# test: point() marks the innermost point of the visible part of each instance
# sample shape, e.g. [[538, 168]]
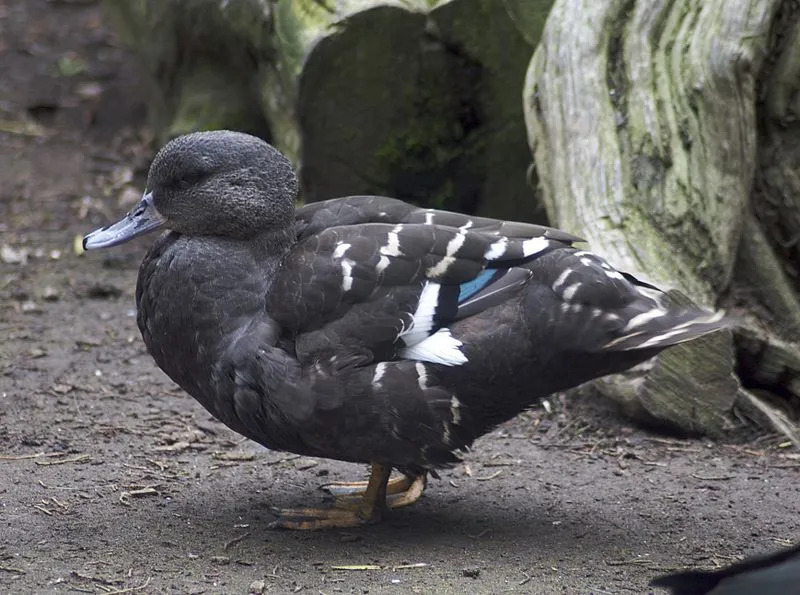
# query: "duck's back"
[[459, 322]]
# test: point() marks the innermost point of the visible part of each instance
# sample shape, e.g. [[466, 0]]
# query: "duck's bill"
[[143, 218]]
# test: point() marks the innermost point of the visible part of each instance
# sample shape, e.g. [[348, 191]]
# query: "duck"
[[364, 328], [777, 573]]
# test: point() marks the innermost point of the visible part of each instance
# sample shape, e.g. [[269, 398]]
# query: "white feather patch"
[[562, 278], [455, 410], [440, 268], [341, 248], [534, 246], [380, 370], [422, 375], [497, 249], [382, 264], [422, 319], [392, 247], [570, 291], [643, 318], [440, 348], [661, 339], [347, 274]]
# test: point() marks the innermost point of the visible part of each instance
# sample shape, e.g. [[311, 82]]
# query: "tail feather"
[[661, 328]]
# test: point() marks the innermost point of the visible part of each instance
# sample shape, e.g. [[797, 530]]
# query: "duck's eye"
[[185, 179]]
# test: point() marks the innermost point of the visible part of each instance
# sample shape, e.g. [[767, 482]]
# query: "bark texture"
[[417, 99], [644, 117]]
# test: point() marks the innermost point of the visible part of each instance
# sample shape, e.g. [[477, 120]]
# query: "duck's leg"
[[400, 491], [369, 509]]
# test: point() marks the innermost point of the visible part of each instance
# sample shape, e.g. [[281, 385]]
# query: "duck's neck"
[[272, 244]]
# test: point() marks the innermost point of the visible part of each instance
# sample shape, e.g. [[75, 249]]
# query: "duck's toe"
[[400, 491], [313, 519], [350, 510], [395, 485]]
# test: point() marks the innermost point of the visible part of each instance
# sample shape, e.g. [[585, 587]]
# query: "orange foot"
[[356, 503]]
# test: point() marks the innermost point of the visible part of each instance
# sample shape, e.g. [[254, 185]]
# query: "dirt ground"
[[114, 481]]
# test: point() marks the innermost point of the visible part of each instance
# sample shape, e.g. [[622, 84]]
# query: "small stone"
[[258, 587], [471, 572], [30, 307], [103, 291], [220, 560], [89, 90], [245, 455], [304, 463], [12, 255], [50, 294]]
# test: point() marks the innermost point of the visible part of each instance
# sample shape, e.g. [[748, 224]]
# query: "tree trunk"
[[204, 59], [417, 99], [644, 119]]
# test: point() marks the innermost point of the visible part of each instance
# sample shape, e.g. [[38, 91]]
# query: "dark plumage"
[[366, 329], [774, 574]]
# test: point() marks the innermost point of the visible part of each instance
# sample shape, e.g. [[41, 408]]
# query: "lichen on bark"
[[642, 117]]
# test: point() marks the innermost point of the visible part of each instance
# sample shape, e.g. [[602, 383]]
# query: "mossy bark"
[[643, 117], [422, 105], [417, 99], [204, 58]]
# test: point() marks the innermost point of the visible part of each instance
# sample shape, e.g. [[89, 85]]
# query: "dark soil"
[[114, 481]]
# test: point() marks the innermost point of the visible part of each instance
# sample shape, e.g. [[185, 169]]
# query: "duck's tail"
[[661, 327]]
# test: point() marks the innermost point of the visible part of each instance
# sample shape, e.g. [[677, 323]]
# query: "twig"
[[284, 460], [235, 540], [124, 497], [626, 562], [12, 569], [131, 589], [488, 477], [712, 477], [407, 566], [33, 456], [78, 459]]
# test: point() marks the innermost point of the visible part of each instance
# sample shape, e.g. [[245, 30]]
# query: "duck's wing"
[[356, 294], [315, 217]]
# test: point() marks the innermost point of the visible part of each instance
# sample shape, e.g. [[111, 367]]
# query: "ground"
[[113, 480]]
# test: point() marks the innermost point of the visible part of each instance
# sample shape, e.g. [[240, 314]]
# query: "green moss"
[[529, 16], [422, 157], [209, 98]]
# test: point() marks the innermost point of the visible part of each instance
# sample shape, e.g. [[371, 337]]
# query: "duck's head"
[[218, 183]]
